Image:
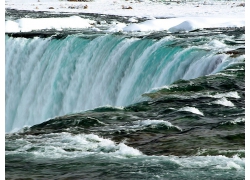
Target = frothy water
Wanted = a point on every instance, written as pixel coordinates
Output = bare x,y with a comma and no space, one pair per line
192,110
223,101
66,145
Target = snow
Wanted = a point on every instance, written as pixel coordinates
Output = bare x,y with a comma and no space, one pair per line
139,9
164,15
133,19
185,24
171,25
29,24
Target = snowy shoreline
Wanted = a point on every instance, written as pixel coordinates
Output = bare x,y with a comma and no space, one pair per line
146,8
158,16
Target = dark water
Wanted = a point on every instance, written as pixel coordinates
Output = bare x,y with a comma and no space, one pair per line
187,127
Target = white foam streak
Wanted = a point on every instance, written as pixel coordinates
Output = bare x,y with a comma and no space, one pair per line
223,101
232,94
126,151
192,110
141,124
237,120
216,44
219,162
148,122
153,122
229,165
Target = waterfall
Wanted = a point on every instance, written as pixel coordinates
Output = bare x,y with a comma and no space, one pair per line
48,77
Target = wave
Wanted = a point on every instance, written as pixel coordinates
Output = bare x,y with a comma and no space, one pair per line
66,145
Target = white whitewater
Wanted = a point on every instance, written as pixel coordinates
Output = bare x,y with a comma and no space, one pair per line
56,146
192,110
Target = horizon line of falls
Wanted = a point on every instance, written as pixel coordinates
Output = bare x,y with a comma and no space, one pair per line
48,77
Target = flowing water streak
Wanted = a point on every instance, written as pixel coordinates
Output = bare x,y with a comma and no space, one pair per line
51,77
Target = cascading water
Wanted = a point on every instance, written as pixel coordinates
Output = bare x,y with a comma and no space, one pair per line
47,77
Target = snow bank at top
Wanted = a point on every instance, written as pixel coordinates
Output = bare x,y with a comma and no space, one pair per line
187,16
29,24
171,24
145,8
181,24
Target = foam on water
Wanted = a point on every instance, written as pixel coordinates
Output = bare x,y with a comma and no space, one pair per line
192,110
153,122
216,44
236,121
67,145
217,162
223,101
229,165
148,122
144,124
233,94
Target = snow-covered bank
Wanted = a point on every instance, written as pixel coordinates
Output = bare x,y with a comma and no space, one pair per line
29,24
180,24
76,22
142,8
187,16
